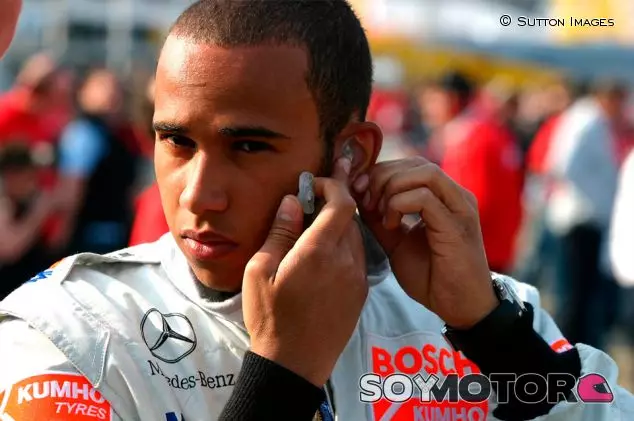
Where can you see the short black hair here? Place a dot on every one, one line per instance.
(458, 83)
(340, 63)
(16, 155)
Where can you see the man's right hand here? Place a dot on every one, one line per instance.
(303, 292)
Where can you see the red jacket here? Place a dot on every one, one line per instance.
(538, 151)
(149, 221)
(482, 156)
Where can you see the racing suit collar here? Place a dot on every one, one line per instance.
(175, 265)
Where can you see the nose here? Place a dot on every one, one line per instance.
(206, 187)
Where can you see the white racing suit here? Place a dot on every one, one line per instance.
(127, 336)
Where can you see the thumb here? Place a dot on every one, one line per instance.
(286, 229)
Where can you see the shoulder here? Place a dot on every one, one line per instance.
(28, 353)
(74, 305)
(404, 311)
(85, 268)
(37, 381)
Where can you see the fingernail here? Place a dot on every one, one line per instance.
(361, 183)
(287, 210)
(366, 199)
(346, 165)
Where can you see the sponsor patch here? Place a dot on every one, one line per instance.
(54, 396)
(421, 353)
(561, 345)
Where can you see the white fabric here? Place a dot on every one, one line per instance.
(85, 316)
(581, 160)
(622, 231)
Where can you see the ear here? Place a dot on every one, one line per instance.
(363, 141)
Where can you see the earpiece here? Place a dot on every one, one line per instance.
(347, 150)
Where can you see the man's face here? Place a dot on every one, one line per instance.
(234, 128)
(436, 106)
(19, 184)
(8, 21)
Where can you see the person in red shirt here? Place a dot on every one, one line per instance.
(24, 110)
(149, 221)
(482, 155)
(36, 110)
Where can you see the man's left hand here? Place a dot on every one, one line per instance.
(440, 262)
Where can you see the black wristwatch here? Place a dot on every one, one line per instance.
(494, 325)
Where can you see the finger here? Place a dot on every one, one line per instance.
(286, 229)
(335, 215)
(351, 248)
(422, 201)
(379, 175)
(432, 177)
(341, 170)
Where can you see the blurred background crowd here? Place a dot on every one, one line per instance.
(538, 122)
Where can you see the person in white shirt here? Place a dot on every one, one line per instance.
(622, 230)
(583, 166)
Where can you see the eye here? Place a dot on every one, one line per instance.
(250, 146)
(176, 141)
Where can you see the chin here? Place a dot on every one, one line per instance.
(220, 276)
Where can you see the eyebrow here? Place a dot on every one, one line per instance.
(250, 131)
(164, 126)
(234, 132)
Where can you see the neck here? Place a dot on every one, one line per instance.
(214, 295)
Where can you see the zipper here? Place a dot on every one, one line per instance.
(326, 410)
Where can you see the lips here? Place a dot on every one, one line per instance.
(207, 245)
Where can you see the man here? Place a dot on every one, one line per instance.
(97, 170)
(481, 155)
(249, 95)
(24, 209)
(622, 226)
(582, 164)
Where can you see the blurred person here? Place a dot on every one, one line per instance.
(143, 112)
(389, 108)
(621, 244)
(30, 111)
(24, 209)
(249, 95)
(481, 155)
(435, 111)
(583, 168)
(149, 219)
(622, 226)
(538, 262)
(97, 170)
(623, 127)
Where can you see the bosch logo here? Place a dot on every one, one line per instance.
(170, 337)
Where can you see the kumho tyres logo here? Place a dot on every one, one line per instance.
(53, 396)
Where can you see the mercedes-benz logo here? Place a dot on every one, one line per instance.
(170, 337)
